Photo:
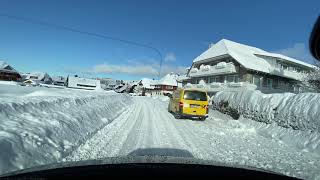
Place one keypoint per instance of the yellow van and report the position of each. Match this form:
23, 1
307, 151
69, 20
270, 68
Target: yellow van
189, 103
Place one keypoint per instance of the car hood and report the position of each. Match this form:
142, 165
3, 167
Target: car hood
133, 159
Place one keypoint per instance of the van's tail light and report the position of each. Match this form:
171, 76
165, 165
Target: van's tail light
181, 107
207, 109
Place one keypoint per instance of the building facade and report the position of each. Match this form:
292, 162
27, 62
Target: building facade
59, 80
230, 65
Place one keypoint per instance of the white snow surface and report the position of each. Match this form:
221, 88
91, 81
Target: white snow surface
42, 125
9, 83
297, 111
147, 128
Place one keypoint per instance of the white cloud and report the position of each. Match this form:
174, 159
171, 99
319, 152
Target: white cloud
298, 51
147, 70
176, 69
170, 57
150, 70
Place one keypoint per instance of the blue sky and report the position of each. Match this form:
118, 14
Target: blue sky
181, 30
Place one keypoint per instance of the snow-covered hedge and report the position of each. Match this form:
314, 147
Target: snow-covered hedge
42, 125
298, 111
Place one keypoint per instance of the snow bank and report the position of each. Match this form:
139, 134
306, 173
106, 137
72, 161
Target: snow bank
42, 125
298, 111
301, 111
306, 141
8, 82
161, 98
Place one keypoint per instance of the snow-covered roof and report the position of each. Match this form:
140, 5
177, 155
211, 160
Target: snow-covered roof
123, 88
147, 83
169, 80
247, 56
133, 83
59, 79
182, 77
38, 75
4, 66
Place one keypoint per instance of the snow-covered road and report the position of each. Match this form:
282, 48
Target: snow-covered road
146, 124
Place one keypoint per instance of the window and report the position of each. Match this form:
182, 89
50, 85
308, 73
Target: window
233, 78
284, 67
205, 79
195, 95
219, 79
282, 83
264, 82
275, 83
269, 82
256, 80
211, 79
85, 85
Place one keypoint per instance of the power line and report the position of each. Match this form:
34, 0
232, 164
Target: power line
66, 28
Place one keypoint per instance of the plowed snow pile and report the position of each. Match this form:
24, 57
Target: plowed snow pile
298, 111
42, 125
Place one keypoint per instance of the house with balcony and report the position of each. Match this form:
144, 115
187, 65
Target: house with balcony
166, 84
231, 65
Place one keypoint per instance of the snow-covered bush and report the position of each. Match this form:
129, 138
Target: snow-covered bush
312, 79
299, 111
202, 82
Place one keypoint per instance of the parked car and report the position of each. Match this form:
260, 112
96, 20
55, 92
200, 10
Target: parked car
189, 103
167, 94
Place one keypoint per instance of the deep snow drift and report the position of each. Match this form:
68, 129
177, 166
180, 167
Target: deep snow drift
297, 111
40, 125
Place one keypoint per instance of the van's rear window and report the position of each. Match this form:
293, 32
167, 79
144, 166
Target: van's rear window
195, 95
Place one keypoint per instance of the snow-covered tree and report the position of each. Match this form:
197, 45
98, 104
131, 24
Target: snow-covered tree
312, 79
